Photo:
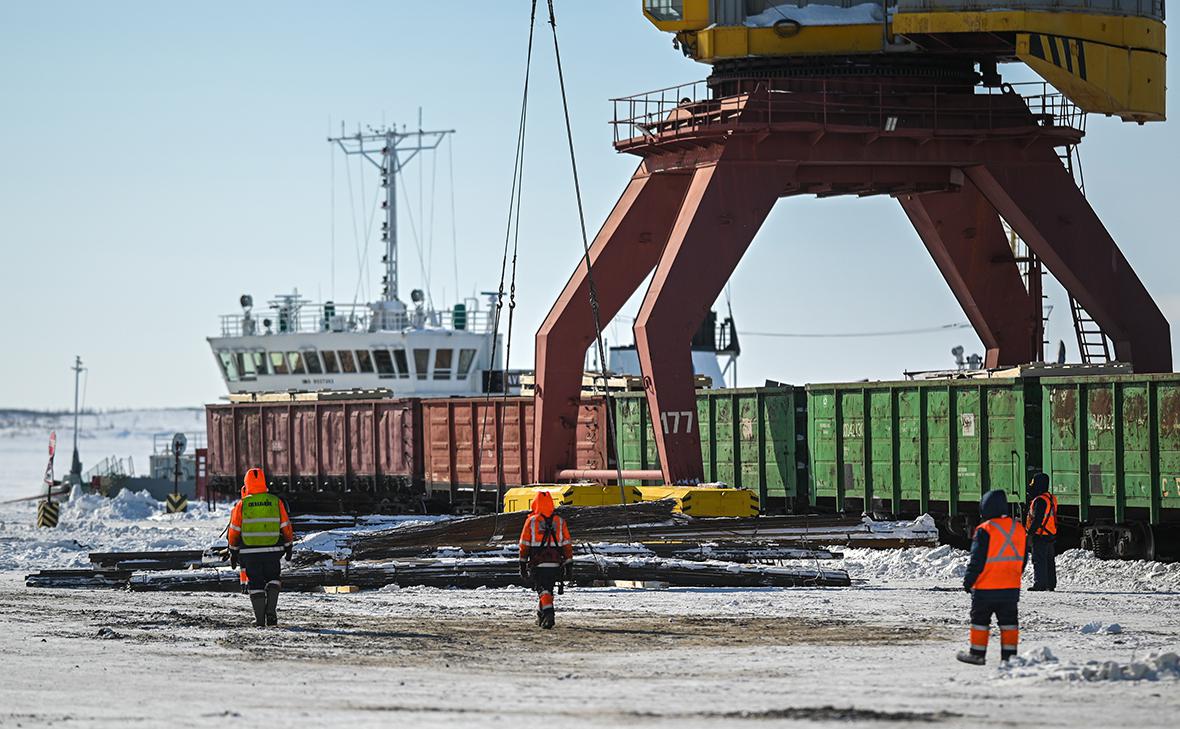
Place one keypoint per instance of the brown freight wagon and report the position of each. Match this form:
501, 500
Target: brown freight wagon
392, 456
476, 448
361, 456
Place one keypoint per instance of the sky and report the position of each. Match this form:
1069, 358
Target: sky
158, 160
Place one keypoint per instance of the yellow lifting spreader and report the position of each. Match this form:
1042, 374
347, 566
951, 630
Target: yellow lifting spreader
1107, 56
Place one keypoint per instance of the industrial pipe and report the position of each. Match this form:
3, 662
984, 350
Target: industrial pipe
608, 474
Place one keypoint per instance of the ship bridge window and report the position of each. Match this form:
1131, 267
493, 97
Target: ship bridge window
399, 359
278, 363
384, 362
254, 363
330, 362
313, 363
466, 359
347, 363
229, 365
442, 363
421, 363
295, 363
364, 360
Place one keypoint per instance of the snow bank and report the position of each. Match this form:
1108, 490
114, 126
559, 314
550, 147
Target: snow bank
1075, 569
943, 563
1041, 663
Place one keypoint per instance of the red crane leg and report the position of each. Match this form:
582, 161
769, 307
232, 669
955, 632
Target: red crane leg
1042, 203
621, 256
967, 241
723, 209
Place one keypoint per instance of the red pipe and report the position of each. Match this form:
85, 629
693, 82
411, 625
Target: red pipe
609, 474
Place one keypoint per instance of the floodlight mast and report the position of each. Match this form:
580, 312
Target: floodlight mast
389, 151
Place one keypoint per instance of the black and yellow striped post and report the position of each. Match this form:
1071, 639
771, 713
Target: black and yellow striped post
176, 503
48, 512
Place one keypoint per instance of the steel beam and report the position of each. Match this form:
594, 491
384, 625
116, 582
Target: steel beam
1041, 201
966, 239
723, 209
622, 255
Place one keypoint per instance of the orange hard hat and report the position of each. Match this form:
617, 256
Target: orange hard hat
255, 482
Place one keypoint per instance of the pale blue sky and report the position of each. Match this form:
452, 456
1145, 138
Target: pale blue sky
160, 159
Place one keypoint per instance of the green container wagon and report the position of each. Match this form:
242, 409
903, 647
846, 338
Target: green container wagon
750, 437
921, 446
1112, 452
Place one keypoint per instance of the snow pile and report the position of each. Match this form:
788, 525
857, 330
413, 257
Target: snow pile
923, 527
943, 563
131, 522
818, 14
1096, 626
1041, 663
1076, 568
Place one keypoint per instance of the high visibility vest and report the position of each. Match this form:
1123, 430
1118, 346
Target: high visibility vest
1006, 544
545, 539
1048, 527
260, 522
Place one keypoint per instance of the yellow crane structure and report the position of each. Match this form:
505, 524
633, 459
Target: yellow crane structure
1107, 56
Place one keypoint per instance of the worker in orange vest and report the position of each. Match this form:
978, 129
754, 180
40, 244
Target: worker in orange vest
998, 554
546, 554
260, 532
1041, 525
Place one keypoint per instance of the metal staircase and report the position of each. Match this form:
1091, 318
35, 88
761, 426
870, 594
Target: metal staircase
1093, 344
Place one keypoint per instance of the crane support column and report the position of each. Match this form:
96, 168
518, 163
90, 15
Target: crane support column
723, 209
1043, 204
966, 239
623, 253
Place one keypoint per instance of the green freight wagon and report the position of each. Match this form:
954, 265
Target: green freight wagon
1112, 452
752, 438
921, 446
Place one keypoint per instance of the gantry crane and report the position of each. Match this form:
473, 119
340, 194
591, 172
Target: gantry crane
899, 97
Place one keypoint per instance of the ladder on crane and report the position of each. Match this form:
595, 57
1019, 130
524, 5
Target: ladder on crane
1094, 346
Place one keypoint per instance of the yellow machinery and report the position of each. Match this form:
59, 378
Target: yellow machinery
521, 497
1107, 56
705, 501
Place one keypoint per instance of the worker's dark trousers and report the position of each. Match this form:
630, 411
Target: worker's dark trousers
261, 568
544, 580
983, 606
1044, 559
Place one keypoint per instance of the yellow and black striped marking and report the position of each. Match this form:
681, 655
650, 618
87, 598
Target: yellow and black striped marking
48, 512
176, 503
1067, 53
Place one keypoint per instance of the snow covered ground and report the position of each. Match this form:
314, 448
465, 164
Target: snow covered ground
1102, 651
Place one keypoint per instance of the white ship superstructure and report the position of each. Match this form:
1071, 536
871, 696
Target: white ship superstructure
415, 351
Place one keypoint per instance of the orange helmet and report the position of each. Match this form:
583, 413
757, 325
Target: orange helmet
255, 482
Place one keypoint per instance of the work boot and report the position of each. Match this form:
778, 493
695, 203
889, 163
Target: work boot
258, 602
272, 604
973, 658
546, 619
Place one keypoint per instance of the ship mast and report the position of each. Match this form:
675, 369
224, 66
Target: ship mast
390, 151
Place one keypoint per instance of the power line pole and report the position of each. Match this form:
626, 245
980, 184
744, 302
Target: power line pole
76, 466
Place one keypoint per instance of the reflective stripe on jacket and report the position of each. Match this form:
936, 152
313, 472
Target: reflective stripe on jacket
259, 523
1048, 525
1006, 547
543, 543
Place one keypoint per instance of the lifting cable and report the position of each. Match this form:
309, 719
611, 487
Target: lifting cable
593, 290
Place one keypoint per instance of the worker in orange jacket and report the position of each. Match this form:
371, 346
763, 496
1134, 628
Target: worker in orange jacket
998, 555
546, 554
259, 534
1041, 525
